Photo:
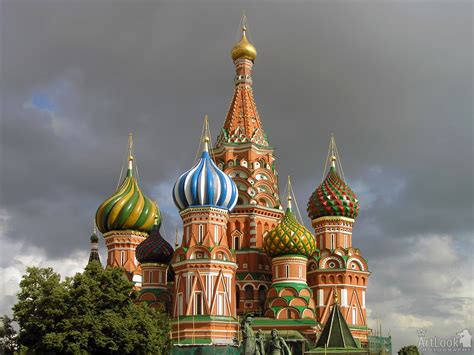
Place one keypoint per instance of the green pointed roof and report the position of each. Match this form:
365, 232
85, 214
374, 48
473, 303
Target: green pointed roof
336, 332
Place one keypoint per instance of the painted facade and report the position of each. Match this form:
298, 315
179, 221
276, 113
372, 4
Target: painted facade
240, 251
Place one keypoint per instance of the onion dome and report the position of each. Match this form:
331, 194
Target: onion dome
154, 249
289, 237
243, 48
94, 238
205, 185
333, 197
127, 208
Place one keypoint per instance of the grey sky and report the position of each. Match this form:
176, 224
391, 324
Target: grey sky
392, 80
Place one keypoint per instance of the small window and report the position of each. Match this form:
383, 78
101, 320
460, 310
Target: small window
216, 234
333, 241
122, 257
198, 303
354, 315
200, 233
287, 270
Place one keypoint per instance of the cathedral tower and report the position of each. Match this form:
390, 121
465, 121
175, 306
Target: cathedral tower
337, 266
94, 254
154, 255
125, 219
204, 308
242, 151
290, 245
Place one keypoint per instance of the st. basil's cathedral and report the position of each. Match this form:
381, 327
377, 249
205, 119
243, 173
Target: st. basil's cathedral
243, 250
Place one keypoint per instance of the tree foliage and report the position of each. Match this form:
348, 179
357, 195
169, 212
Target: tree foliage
8, 341
409, 350
93, 312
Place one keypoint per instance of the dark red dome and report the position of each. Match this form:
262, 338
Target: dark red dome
154, 249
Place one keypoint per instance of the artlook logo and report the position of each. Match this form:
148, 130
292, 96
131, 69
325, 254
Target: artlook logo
461, 342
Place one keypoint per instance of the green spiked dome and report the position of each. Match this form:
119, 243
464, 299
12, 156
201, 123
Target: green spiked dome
333, 197
127, 208
289, 237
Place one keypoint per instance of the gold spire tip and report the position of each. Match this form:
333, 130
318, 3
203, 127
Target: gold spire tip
206, 138
130, 146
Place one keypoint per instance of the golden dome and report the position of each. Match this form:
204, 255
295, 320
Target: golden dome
243, 48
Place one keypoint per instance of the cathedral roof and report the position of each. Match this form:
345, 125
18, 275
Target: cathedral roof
289, 237
242, 123
243, 48
128, 207
333, 197
336, 332
205, 185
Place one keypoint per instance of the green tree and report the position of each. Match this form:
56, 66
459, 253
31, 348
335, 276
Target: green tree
8, 341
409, 350
93, 312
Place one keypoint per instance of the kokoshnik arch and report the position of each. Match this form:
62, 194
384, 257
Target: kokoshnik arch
241, 251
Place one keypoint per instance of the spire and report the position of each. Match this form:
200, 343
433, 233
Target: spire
289, 198
242, 123
130, 154
94, 254
157, 221
206, 138
333, 158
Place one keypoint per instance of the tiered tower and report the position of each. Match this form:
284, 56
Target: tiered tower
242, 151
125, 219
290, 245
204, 305
154, 255
337, 266
94, 254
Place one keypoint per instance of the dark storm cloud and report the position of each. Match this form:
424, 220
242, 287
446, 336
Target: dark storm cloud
392, 80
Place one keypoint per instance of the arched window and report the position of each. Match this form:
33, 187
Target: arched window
236, 243
248, 293
237, 297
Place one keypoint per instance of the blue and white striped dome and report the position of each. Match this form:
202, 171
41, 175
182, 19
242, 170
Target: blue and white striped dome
205, 185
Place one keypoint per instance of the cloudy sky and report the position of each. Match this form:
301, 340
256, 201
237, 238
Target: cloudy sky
392, 80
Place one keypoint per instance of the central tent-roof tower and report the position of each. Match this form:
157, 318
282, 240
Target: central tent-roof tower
242, 151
